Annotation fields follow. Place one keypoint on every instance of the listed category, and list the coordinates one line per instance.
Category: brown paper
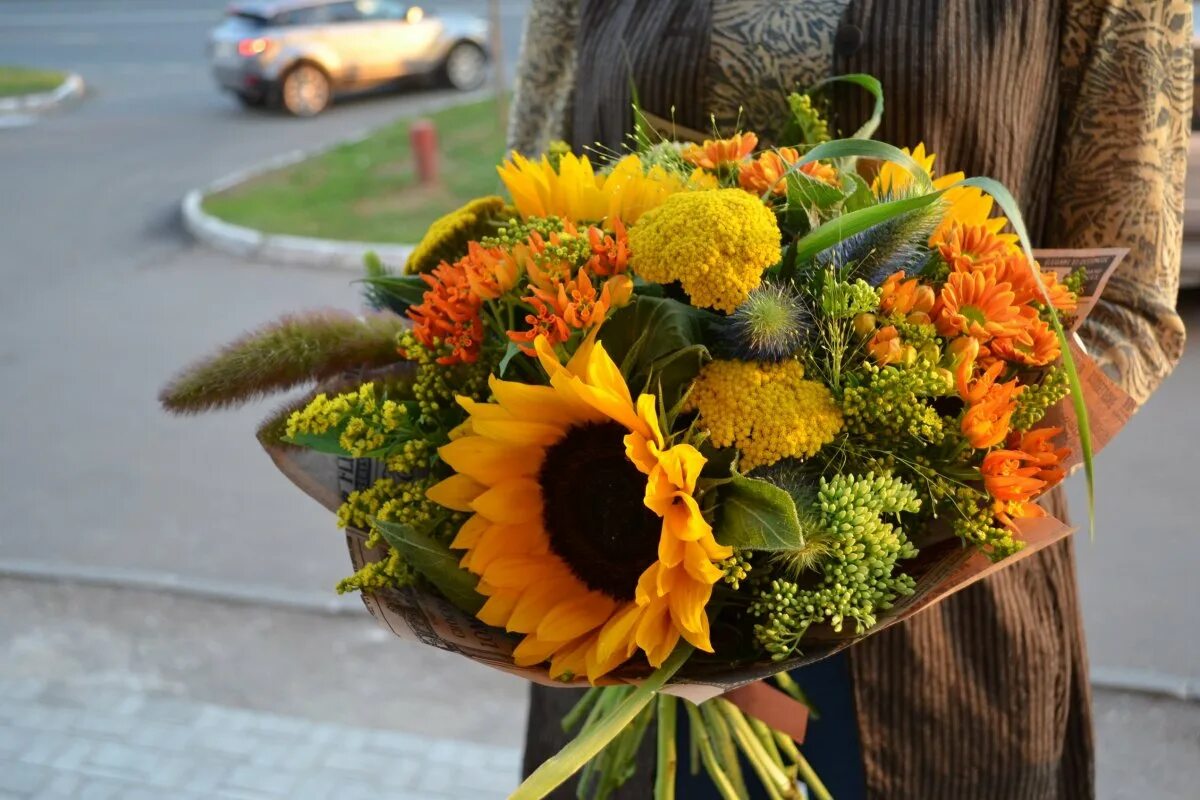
(941, 568)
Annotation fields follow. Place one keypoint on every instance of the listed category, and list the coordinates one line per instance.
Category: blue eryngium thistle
(770, 325)
(877, 252)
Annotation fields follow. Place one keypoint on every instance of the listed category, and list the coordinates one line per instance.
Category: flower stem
(769, 772)
(711, 765)
(807, 774)
(558, 768)
(664, 776)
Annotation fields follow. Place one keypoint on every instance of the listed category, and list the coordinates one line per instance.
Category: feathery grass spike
(292, 351)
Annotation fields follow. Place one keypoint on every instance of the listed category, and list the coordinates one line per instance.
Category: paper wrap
(941, 568)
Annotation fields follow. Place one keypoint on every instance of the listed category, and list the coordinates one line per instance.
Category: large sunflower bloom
(585, 533)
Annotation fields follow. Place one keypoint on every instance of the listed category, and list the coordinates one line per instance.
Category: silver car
(297, 53)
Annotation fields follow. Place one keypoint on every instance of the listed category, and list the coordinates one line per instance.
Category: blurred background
(168, 627)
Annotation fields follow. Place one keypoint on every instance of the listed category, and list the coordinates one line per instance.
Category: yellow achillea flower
(768, 411)
(447, 237)
(576, 192)
(585, 532)
(715, 243)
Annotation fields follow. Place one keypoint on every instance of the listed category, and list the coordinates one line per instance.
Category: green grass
(23, 80)
(367, 191)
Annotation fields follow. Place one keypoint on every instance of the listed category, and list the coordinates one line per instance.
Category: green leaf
(658, 343)
(512, 349)
(436, 564)
(558, 768)
(861, 196)
(845, 226)
(403, 291)
(758, 515)
(873, 86)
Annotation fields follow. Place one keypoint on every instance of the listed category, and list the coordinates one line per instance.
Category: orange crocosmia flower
(1036, 347)
(966, 247)
(885, 347)
(577, 301)
(1011, 476)
(974, 304)
(1008, 513)
(909, 298)
(449, 312)
(1038, 445)
(543, 322)
(610, 252)
(986, 423)
(490, 272)
(715, 153)
(963, 352)
(767, 172)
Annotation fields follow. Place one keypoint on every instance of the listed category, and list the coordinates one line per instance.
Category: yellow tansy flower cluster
(715, 243)
(368, 422)
(447, 237)
(768, 411)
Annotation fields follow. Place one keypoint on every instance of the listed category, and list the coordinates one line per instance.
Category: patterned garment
(1082, 108)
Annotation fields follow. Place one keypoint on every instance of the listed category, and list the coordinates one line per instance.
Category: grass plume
(295, 350)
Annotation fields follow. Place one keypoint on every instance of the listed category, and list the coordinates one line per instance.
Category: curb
(72, 87)
(284, 249)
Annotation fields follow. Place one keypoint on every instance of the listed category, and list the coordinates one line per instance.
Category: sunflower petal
(518, 432)
(576, 616)
(469, 533)
(498, 608)
(698, 565)
(656, 635)
(516, 500)
(616, 637)
(456, 492)
(533, 650)
(489, 461)
(537, 601)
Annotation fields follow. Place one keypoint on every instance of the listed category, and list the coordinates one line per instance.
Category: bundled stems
(807, 774)
(664, 776)
(711, 765)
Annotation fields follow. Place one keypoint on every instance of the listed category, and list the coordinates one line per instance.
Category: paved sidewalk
(60, 743)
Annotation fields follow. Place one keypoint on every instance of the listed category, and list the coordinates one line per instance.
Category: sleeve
(1120, 164)
(545, 76)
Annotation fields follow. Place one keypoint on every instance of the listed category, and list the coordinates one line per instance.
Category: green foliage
(435, 563)
(386, 290)
(757, 515)
(845, 299)
(295, 350)
(858, 578)
(807, 124)
(659, 344)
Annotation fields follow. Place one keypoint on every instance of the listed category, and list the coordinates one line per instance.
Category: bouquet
(671, 422)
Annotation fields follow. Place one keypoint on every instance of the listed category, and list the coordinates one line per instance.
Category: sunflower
(575, 191)
(585, 534)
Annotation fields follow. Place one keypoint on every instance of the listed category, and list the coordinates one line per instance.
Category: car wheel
(251, 100)
(305, 91)
(465, 67)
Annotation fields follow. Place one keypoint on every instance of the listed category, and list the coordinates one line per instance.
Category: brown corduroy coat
(1080, 107)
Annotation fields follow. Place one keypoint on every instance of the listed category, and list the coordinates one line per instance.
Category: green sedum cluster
(858, 574)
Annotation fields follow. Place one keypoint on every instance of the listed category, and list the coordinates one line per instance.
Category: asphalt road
(103, 297)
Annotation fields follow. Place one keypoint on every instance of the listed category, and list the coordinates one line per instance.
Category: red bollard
(422, 136)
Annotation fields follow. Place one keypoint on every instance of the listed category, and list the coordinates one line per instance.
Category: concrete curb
(72, 87)
(288, 250)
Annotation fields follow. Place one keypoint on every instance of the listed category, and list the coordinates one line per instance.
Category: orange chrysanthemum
(967, 247)
(585, 531)
(973, 303)
(1037, 346)
(767, 172)
(715, 153)
(986, 423)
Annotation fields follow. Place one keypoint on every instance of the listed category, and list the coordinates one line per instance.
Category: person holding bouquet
(1081, 107)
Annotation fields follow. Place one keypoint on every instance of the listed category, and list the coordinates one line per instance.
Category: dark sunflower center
(593, 511)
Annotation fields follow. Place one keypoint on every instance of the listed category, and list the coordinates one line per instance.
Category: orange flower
(489, 272)
(885, 347)
(768, 171)
(543, 322)
(546, 272)
(1038, 445)
(610, 253)
(716, 153)
(966, 247)
(910, 298)
(449, 313)
(974, 304)
(986, 423)
(1009, 476)
(1036, 347)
